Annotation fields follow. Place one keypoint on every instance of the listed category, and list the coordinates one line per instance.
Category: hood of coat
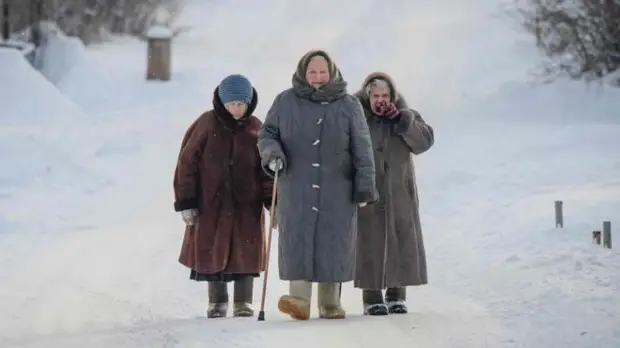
(225, 117)
(334, 89)
(395, 95)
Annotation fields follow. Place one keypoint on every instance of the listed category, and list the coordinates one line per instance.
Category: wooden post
(6, 24)
(159, 53)
(559, 215)
(607, 234)
(596, 237)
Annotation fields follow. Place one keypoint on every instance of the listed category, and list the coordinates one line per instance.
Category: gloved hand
(276, 164)
(189, 216)
(379, 108)
(362, 205)
(391, 111)
(388, 110)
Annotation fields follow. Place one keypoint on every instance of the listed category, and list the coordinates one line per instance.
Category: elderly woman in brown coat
(220, 190)
(390, 251)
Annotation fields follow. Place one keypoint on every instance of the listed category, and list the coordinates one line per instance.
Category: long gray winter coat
(323, 139)
(390, 248)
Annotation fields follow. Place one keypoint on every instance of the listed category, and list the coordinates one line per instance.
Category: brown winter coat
(219, 173)
(390, 248)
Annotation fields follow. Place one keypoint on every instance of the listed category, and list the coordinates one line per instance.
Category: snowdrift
(43, 143)
(27, 98)
(562, 102)
(63, 61)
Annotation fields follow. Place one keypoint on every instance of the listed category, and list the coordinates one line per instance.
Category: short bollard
(559, 214)
(607, 234)
(159, 53)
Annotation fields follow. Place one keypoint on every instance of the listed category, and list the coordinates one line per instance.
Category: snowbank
(63, 61)
(27, 97)
(44, 144)
(33, 107)
(570, 101)
(25, 48)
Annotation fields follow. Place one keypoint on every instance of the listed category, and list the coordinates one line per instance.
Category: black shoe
(375, 309)
(217, 310)
(397, 307)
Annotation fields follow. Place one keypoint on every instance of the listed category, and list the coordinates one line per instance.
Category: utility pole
(6, 25)
(36, 14)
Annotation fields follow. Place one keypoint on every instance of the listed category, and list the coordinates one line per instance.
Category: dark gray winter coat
(390, 247)
(323, 138)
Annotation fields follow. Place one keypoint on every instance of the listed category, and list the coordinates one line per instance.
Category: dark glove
(380, 108)
(391, 111)
(384, 109)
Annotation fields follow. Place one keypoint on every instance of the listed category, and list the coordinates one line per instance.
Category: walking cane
(272, 214)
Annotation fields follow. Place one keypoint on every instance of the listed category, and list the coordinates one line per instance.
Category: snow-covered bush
(91, 20)
(579, 38)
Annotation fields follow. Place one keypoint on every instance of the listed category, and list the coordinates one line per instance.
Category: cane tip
(261, 316)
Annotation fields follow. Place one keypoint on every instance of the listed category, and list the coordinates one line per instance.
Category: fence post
(596, 237)
(559, 214)
(607, 234)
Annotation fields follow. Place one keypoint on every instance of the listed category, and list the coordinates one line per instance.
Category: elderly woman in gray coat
(390, 250)
(316, 134)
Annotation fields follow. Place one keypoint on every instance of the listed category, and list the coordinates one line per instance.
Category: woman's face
(236, 108)
(379, 95)
(317, 73)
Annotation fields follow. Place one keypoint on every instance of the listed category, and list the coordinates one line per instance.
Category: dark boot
(396, 300)
(243, 294)
(217, 310)
(373, 302)
(218, 300)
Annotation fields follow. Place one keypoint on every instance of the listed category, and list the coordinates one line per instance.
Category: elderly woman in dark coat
(220, 190)
(316, 134)
(390, 250)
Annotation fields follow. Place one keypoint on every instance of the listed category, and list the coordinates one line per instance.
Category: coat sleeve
(269, 141)
(187, 176)
(363, 157)
(414, 131)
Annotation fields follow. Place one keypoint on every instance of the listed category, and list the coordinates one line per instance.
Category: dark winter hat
(235, 88)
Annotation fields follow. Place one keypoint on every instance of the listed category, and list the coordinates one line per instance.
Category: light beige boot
(297, 303)
(329, 301)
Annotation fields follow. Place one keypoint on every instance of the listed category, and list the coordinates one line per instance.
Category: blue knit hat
(235, 88)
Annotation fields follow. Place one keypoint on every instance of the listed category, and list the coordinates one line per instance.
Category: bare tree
(90, 19)
(579, 38)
